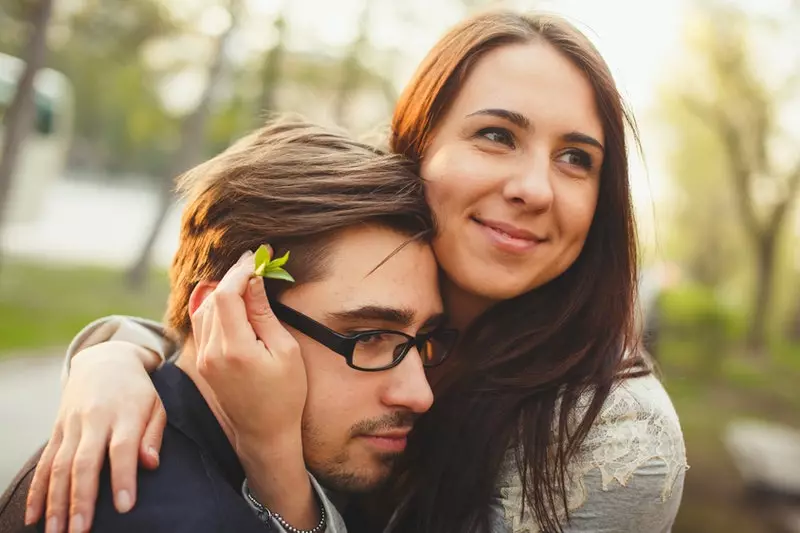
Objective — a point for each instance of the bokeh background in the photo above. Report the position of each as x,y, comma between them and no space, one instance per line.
132,92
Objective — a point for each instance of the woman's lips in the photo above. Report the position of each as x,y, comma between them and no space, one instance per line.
508,237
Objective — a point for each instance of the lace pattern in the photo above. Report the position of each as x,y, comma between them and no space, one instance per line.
636,425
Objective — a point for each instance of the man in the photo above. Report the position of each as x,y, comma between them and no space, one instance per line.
365,303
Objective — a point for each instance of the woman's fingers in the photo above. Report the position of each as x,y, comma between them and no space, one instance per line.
37,494
153,435
85,478
60,474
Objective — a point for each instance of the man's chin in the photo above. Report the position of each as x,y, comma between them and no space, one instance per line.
357,480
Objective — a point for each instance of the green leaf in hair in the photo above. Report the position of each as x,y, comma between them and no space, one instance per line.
266,267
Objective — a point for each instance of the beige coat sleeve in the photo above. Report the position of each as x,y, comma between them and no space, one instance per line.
141,331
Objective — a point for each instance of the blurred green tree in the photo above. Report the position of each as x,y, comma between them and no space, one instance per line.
14,18
351,70
105,49
729,155
272,69
18,119
192,140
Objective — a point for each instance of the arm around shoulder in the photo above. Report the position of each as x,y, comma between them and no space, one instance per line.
149,335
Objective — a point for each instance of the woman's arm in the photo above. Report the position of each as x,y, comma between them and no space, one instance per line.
108,401
148,335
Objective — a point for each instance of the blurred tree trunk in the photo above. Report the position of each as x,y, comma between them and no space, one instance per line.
189,152
20,115
765,236
765,280
271,72
351,69
793,327
762,231
743,114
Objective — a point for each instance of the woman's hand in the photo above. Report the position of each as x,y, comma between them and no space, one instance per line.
109,403
254,367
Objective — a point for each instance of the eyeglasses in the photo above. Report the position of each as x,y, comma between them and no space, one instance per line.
373,350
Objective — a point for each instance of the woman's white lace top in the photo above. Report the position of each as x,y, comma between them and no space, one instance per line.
628,475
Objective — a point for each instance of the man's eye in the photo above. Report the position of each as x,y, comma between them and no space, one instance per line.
373,338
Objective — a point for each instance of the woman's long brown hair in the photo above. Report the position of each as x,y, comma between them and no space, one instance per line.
516,379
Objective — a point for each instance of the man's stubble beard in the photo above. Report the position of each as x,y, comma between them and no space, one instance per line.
339,475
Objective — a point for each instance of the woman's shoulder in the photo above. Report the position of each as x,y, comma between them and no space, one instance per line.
637,426
641,403
628,471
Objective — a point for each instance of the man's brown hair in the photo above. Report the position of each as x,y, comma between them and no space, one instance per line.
293,185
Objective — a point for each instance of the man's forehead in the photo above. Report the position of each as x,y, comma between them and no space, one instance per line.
359,253
373,255
406,283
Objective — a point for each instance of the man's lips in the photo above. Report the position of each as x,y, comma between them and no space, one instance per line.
392,434
390,441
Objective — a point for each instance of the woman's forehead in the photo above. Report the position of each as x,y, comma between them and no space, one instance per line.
535,80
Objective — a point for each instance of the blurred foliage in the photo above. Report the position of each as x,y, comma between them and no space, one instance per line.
737,184
710,389
14,27
192,136
707,329
119,124
122,55
22,114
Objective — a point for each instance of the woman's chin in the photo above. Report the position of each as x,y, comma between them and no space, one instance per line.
493,289
501,291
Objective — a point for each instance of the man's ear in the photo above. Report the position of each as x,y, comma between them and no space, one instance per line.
200,293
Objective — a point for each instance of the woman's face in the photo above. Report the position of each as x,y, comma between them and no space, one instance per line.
513,172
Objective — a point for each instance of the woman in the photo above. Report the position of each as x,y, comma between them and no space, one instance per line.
546,418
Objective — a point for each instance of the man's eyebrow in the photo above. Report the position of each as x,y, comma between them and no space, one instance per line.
435,321
395,315
514,117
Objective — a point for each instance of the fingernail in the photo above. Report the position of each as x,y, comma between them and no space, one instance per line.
153,453
52,525
124,503
28,517
76,524
244,256
254,283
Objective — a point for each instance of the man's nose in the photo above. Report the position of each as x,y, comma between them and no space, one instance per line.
408,387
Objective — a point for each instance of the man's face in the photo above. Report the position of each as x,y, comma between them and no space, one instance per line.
354,422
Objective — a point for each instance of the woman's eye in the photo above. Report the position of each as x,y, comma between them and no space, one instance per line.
498,135
577,158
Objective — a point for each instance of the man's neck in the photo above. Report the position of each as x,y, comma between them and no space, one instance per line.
187,361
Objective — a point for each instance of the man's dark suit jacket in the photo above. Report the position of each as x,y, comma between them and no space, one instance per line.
196,488
12,503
